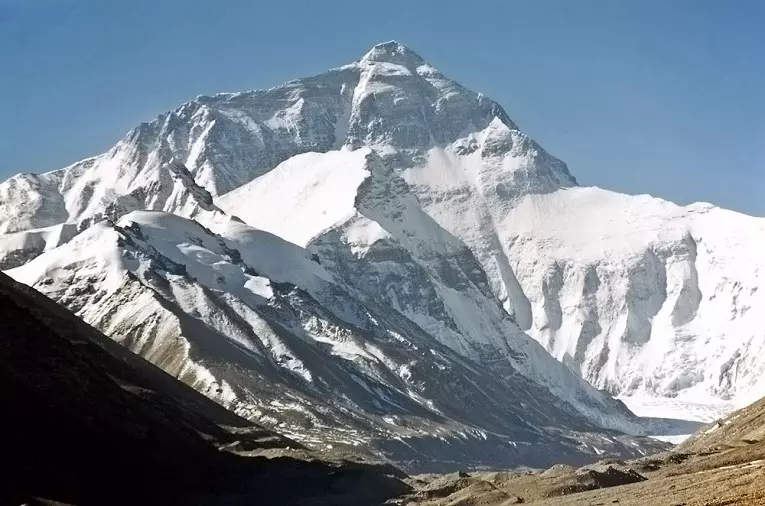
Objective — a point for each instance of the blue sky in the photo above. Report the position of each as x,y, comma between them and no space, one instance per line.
650,96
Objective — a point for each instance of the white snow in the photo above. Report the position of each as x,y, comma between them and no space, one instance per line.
20,247
302,197
701,410
674,439
93,253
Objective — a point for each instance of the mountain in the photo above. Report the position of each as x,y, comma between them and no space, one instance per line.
355,257
390,99
88,422
376,219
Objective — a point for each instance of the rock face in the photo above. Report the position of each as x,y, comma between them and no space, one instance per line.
370,246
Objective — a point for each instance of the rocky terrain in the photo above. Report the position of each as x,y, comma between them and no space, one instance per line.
724,464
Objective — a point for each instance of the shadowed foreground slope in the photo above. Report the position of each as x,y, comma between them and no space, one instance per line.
87,422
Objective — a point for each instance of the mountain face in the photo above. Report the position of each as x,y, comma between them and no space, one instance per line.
637,295
266,329
354,257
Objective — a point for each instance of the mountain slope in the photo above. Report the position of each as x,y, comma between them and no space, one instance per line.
742,428
258,325
435,281
88,422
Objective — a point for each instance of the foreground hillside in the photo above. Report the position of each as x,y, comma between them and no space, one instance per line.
720,479
746,426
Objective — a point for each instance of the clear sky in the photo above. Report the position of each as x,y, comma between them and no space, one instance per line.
648,96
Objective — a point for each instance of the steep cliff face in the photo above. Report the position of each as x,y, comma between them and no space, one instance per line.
637,295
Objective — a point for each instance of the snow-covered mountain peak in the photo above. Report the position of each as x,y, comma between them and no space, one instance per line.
400,103
424,196
392,52
390,100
